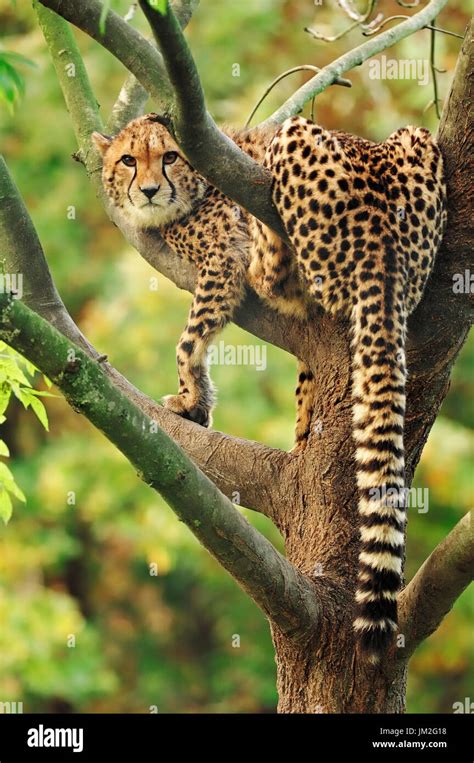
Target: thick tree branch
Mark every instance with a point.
(230, 462)
(286, 596)
(132, 98)
(354, 58)
(438, 583)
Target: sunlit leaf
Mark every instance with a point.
(38, 407)
(6, 507)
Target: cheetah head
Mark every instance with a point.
(145, 175)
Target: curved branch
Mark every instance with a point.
(353, 58)
(301, 68)
(438, 583)
(132, 98)
(288, 598)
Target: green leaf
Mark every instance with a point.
(38, 407)
(22, 395)
(41, 393)
(10, 55)
(6, 477)
(7, 482)
(6, 507)
(10, 372)
(5, 394)
(12, 83)
(4, 449)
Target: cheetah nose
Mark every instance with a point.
(150, 190)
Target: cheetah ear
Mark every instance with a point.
(101, 142)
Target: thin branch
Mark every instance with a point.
(302, 68)
(130, 104)
(438, 583)
(444, 31)
(359, 20)
(434, 71)
(229, 461)
(376, 28)
(353, 58)
(288, 598)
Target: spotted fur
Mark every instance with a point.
(200, 224)
(365, 221)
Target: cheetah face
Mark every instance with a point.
(146, 176)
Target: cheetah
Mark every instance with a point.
(150, 181)
(365, 221)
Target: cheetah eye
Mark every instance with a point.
(170, 157)
(128, 160)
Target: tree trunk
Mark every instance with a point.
(330, 681)
(317, 520)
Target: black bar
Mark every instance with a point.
(156, 737)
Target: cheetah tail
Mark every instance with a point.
(378, 389)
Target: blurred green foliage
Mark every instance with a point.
(107, 602)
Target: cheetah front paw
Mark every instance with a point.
(189, 408)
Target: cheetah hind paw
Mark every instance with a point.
(189, 409)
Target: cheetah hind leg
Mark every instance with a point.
(304, 406)
(272, 272)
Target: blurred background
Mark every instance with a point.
(75, 559)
